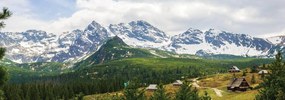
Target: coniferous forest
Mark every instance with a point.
(72, 85)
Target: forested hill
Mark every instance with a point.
(114, 49)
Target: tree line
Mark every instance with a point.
(70, 85)
(133, 92)
(54, 90)
(273, 87)
(5, 14)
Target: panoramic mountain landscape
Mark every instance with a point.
(141, 50)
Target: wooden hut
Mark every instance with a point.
(234, 69)
(177, 83)
(239, 84)
(152, 87)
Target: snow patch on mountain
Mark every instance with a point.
(39, 46)
(277, 40)
(140, 34)
(218, 42)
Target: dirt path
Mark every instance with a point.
(195, 83)
(217, 91)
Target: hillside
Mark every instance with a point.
(219, 82)
(211, 84)
(154, 70)
(114, 49)
(162, 63)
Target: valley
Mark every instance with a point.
(142, 50)
(115, 63)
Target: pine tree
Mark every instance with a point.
(186, 93)
(280, 95)
(160, 94)
(28, 93)
(35, 94)
(243, 73)
(254, 69)
(79, 96)
(2, 52)
(132, 92)
(262, 74)
(263, 66)
(3, 74)
(4, 15)
(2, 96)
(273, 83)
(253, 81)
(206, 96)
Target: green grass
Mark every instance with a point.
(46, 67)
(164, 63)
(18, 72)
(228, 95)
(219, 81)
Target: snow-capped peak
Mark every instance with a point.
(191, 30)
(93, 26)
(140, 34)
(278, 40)
(213, 32)
(218, 42)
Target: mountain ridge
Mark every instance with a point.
(40, 46)
(113, 49)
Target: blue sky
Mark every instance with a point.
(52, 9)
(261, 18)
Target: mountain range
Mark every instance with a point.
(40, 46)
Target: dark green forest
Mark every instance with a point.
(111, 76)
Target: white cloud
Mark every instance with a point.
(273, 34)
(171, 16)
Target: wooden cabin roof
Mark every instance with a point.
(237, 82)
(152, 87)
(179, 82)
(264, 71)
(235, 68)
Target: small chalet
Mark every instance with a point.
(234, 69)
(263, 72)
(152, 87)
(239, 84)
(177, 83)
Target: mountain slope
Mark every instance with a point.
(114, 49)
(277, 40)
(40, 46)
(85, 43)
(194, 41)
(27, 46)
(140, 34)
